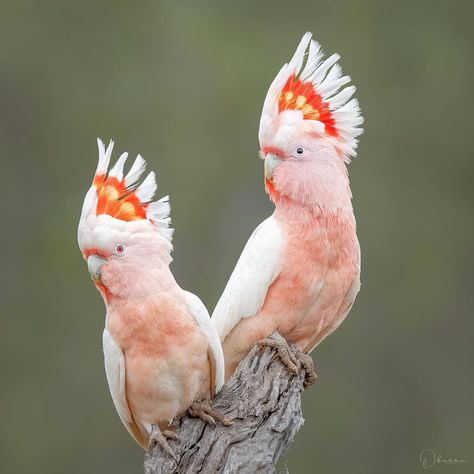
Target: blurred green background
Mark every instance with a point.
(183, 84)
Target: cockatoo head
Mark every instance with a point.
(308, 129)
(124, 237)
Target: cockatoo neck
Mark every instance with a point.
(320, 190)
(135, 283)
(288, 211)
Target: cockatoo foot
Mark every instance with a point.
(207, 413)
(308, 367)
(284, 352)
(168, 434)
(161, 439)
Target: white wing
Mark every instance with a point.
(115, 371)
(256, 270)
(216, 356)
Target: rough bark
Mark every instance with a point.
(264, 401)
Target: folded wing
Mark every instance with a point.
(256, 269)
(115, 371)
(216, 356)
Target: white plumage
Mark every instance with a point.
(256, 269)
(117, 170)
(136, 171)
(115, 372)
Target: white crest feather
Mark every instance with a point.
(158, 212)
(117, 170)
(104, 156)
(328, 81)
(146, 190)
(320, 70)
(136, 171)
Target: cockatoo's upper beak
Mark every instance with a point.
(271, 163)
(94, 264)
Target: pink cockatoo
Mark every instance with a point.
(162, 353)
(299, 272)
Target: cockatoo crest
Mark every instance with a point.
(316, 88)
(126, 198)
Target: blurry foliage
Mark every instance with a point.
(183, 83)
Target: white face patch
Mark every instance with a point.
(104, 231)
(291, 125)
(287, 127)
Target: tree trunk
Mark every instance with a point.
(263, 399)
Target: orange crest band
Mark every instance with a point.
(299, 95)
(116, 200)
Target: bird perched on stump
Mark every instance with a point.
(299, 272)
(162, 353)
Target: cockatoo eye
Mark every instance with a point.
(119, 249)
(300, 150)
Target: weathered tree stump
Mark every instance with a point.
(264, 401)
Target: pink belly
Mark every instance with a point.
(162, 388)
(166, 359)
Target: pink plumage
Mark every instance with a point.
(299, 272)
(161, 350)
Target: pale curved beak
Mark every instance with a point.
(271, 163)
(94, 264)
